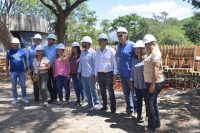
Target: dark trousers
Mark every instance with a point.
(36, 91)
(105, 81)
(153, 118)
(62, 82)
(52, 85)
(140, 95)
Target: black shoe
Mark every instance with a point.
(139, 119)
(103, 109)
(51, 100)
(36, 100)
(113, 111)
(78, 103)
(129, 112)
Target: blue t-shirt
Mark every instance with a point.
(16, 59)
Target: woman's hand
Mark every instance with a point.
(152, 88)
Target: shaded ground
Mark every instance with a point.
(180, 112)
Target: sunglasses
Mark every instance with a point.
(120, 35)
(101, 40)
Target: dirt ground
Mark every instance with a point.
(179, 110)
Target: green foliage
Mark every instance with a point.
(135, 24)
(192, 29)
(82, 22)
(195, 3)
(172, 36)
(105, 25)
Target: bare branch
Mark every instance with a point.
(58, 6)
(72, 7)
(53, 10)
(68, 3)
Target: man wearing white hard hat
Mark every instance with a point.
(50, 53)
(41, 66)
(138, 78)
(74, 63)
(154, 79)
(106, 71)
(15, 59)
(86, 70)
(125, 55)
(31, 52)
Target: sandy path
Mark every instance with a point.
(179, 113)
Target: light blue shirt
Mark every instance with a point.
(30, 56)
(86, 64)
(125, 55)
(50, 53)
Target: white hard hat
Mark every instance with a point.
(139, 44)
(149, 38)
(122, 29)
(39, 47)
(37, 36)
(74, 44)
(15, 40)
(51, 36)
(103, 36)
(60, 46)
(86, 39)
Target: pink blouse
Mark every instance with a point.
(61, 67)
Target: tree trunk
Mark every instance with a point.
(60, 29)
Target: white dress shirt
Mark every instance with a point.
(105, 61)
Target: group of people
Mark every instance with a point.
(139, 66)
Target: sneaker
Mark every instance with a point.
(103, 109)
(59, 102)
(15, 101)
(45, 104)
(96, 106)
(25, 100)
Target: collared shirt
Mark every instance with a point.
(87, 61)
(16, 59)
(105, 61)
(149, 68)
(50, 52)
(30, 56)
(125, 55)
(137, 74)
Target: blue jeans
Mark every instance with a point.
(140, 94)
(62, 81)
(22, 80)
(105, 81)
(77, 87)
(153, 116)
(90, 90)
(128, 94)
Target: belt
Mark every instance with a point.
(104, 72)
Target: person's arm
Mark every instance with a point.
(115, 67)
(93, 66)
(79, 67)
(96, 64)
(7, 64)
(68, 66)
(156, 69)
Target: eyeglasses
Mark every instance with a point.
(121, 35)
